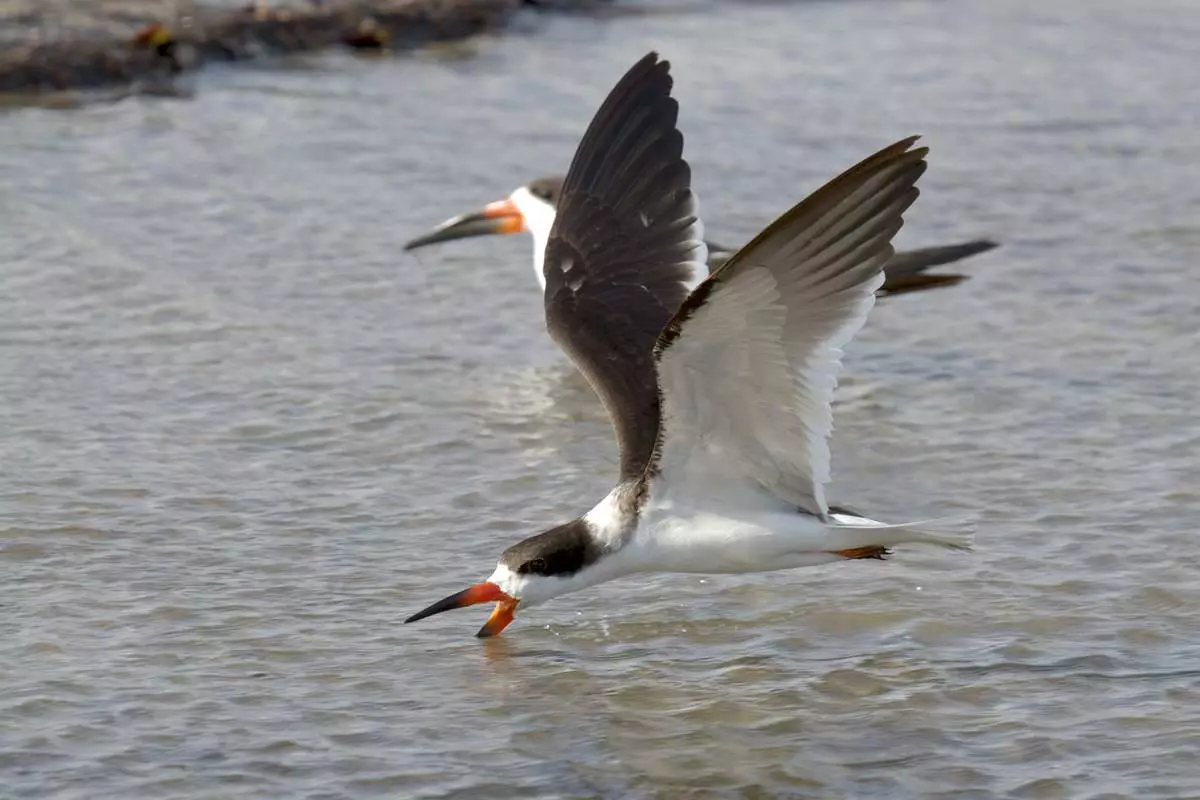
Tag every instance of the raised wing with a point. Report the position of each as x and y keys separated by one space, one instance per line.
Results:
x=625 y=243
x=748 y=366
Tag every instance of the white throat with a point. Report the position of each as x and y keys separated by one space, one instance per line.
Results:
x=539 y=219
x=610 y=526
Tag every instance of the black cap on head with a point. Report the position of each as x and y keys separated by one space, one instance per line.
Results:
x=547 y=189
x=560 y=551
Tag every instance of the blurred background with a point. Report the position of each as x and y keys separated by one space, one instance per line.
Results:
x=243 y=434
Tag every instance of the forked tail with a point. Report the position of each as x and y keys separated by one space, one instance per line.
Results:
x=860 y=537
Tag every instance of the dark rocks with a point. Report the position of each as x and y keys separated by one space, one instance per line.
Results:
x=157 y=52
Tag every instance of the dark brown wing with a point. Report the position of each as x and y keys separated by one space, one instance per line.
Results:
x=626 y=240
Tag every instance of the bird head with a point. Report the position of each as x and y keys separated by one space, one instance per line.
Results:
x=529 y=208
x=556 y=562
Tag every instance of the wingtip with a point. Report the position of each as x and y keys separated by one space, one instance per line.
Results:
x=909 y=263
x=918 y=282
x=977 y=246
x=905 y=146
x=900 y=151
x=650 y=62
x=973 y=248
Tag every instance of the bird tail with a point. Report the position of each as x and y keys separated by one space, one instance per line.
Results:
x=860 y=537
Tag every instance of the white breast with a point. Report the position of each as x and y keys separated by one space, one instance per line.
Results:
x=539 y=219
x=675 y=535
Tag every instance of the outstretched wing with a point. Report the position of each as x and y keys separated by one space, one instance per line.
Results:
x=625 y=243
x=748 y=366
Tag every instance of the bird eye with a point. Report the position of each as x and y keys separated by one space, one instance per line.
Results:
x=541 y=193
x=537 y=566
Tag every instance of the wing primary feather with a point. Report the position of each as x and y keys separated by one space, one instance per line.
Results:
x=625 y=245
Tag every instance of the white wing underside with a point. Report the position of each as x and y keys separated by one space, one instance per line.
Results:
x=747 y=392
x=748 y=383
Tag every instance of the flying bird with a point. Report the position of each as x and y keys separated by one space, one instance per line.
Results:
x=719 y=396
x=532 y=207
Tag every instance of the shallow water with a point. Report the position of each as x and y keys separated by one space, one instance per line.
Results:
x=244 y=435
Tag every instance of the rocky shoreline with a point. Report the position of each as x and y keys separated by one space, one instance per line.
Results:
x=133 y=46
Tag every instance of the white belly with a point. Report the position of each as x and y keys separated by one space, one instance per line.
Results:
x=739 y=528
x=710 y=542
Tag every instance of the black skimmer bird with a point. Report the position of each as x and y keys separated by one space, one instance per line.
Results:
x=532 y=208
x=719 y=397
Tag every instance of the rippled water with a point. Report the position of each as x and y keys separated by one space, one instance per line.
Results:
x=244 y=435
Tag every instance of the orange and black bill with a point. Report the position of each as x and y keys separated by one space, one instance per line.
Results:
x=496 y=218
x=502 y=614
